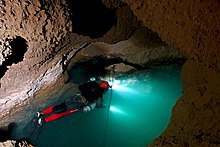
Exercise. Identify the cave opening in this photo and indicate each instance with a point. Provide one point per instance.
(18, 47)
(81, 72)
(91, 17)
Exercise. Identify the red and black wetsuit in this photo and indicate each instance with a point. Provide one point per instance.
(56, 111)
(91, 91)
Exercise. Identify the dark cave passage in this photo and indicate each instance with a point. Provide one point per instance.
(18, 48)
(91, 17)
(5, 133)
(95, 67)
(81, 72)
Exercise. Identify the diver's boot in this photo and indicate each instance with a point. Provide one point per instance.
(41, 121)
(39, 114)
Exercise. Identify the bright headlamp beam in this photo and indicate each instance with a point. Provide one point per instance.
(114, 109)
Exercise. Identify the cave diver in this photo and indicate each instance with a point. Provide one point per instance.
(89, 97)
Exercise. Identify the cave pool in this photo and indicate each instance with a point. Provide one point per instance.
(138, 110)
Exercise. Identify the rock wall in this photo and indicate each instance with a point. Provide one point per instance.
(142, 50)
(35, 37)
(29, 33)
(193, 28)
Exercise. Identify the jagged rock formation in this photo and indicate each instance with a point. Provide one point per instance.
(29, 33)
(193, 28)
(34, 41)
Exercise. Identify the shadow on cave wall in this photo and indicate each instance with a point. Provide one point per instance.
(18, 48)
(91, 17)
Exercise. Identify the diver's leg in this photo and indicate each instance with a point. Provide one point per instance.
(59, 108)
(48, 110)
(55, 112)
(59, 115)
(55, 109)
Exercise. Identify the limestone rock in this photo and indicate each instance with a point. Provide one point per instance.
(29, 34)
(120, 68)
(9, 143)
(193, 28)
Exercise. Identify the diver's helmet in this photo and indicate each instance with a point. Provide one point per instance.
(105, 85)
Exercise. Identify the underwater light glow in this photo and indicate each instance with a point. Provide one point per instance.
(114, 109)
(114, 81)
(117, 86)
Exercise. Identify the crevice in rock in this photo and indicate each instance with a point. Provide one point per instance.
(18, 49)
(91, 17)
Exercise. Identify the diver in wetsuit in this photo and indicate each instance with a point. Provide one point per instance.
(91, 92)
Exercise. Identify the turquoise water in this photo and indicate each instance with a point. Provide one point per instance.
(140, 106)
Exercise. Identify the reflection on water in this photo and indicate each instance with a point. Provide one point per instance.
(138, 110)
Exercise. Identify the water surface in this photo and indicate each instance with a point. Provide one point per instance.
(138, 110)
